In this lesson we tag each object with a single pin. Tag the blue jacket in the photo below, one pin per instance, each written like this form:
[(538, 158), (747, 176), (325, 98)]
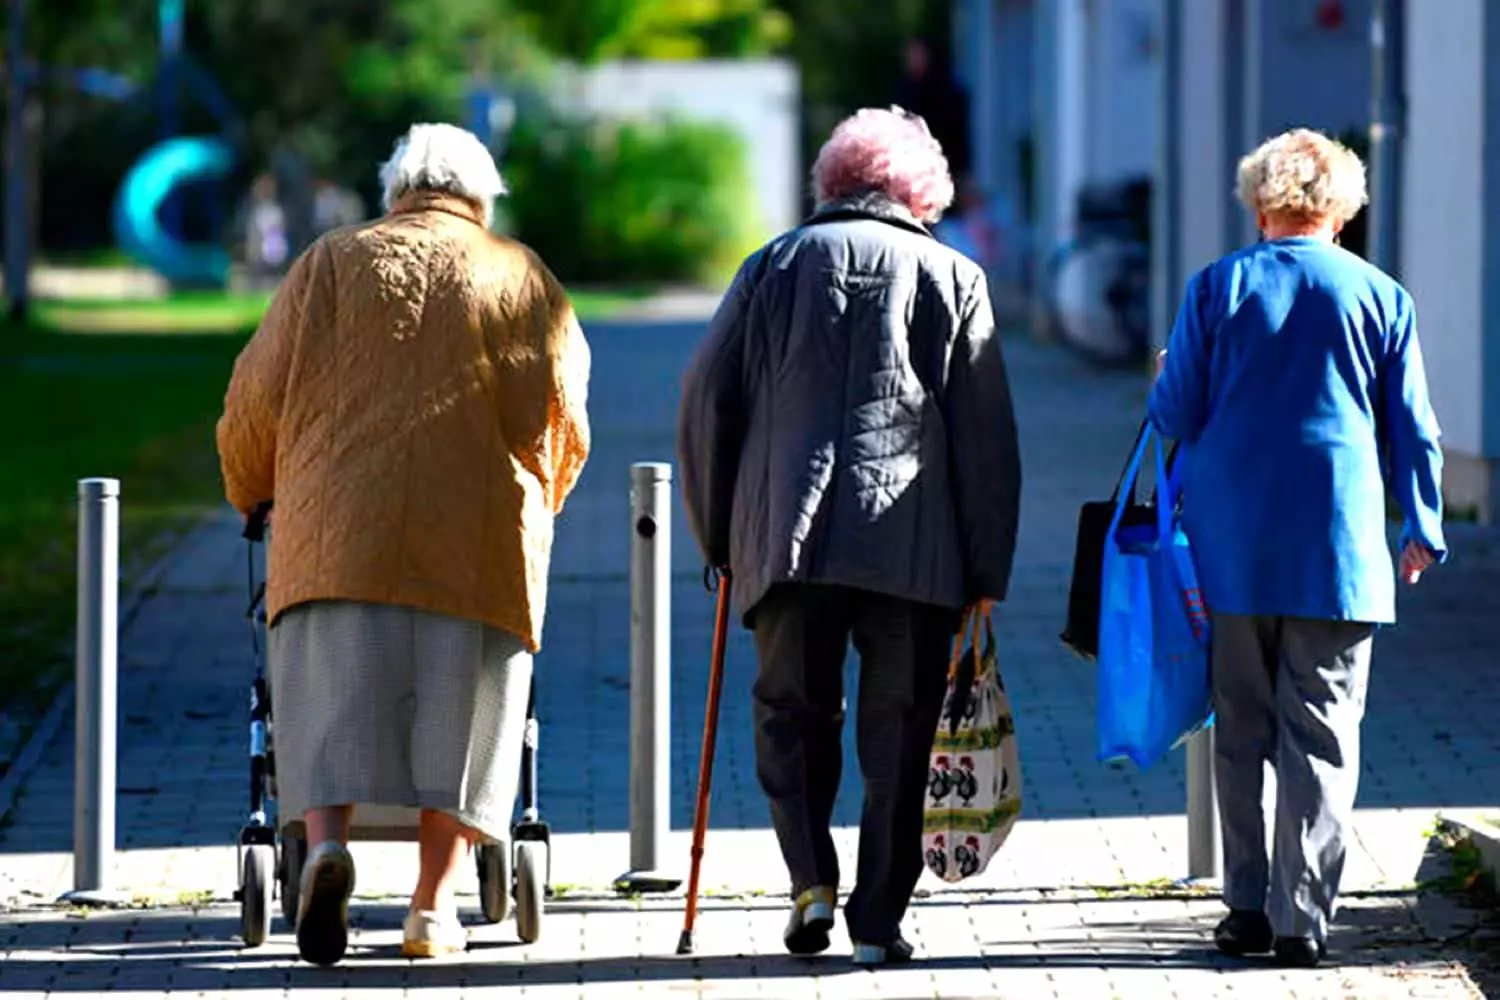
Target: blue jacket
[(1294, 379)]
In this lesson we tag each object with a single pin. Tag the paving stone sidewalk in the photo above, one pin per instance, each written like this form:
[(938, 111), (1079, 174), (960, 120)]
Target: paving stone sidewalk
[(1079, 904)]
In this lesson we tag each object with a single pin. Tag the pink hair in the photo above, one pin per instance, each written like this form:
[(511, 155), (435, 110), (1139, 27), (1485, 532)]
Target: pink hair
[(889, 152)]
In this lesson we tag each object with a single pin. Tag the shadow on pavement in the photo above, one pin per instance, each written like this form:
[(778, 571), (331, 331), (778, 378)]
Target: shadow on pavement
[(1420, 930)]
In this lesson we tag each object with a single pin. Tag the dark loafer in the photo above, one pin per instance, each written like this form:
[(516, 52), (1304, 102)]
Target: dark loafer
[(897, 951), (1299, 953), (811, 921), (1244, 932), (323, 906)]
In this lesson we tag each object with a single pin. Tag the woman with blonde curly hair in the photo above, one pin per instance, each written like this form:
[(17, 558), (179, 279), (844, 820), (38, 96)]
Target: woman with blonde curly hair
[(1294, 379), (849, 453)]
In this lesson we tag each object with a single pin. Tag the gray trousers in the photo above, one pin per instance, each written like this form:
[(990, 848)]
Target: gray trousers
[(1290, 692), (802, 634)]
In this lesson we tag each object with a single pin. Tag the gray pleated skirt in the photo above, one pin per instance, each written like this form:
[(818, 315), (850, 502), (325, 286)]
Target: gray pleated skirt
[(376, 705)]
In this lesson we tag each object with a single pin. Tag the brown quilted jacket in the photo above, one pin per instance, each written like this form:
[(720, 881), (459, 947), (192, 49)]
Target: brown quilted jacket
[(414, 403)]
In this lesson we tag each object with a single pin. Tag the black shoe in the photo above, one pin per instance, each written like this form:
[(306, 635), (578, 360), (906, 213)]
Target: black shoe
[(1299, 953), (811, 921), (896, 951), (323, 906), (1244, 932)]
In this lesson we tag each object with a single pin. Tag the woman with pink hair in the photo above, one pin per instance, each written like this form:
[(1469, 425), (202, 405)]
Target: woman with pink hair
[(849, 456)]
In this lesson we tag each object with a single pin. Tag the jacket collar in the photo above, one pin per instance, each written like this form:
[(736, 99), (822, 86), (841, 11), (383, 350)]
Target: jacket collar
[(438, 201), (870, 205)]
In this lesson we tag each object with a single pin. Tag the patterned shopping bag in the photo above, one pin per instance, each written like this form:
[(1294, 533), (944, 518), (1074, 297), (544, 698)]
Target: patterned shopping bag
[(974, 780)]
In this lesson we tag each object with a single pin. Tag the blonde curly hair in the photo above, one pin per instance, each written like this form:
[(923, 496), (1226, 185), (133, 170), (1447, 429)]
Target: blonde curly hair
[(1303, 175)]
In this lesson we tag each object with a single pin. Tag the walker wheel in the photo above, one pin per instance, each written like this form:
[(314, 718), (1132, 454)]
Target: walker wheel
[(256, 883), (530, 866), (493, 861)]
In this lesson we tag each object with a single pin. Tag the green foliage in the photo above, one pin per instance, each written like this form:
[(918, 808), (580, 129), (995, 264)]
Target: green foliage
[(591, 30), (339, 80), (635, 201)]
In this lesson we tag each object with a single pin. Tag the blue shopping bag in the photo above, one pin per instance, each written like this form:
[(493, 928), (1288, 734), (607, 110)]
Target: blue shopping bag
[(1153, 680)]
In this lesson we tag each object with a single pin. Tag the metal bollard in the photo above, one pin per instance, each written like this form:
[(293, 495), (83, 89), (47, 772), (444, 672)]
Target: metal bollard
[(95, 705), (650, 677), (1204, 863)]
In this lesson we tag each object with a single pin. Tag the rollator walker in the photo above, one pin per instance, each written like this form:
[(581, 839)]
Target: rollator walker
[(272, 848)]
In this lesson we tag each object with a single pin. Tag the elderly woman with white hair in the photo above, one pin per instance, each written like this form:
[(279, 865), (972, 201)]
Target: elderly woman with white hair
[(414, 404), (849, 454), (1294, 379)]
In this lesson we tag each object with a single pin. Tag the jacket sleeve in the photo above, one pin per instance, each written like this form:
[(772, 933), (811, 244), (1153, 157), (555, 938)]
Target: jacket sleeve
[(712, 420), (569, 437), (983, 449), (1415, 468), (544, 407), (253, 405), (1179, 400)]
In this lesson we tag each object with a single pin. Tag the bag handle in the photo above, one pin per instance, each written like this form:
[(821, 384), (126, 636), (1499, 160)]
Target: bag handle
[(970, 631), (969, 628), (960, 681), (1129, 458), (1166, 503), (1145, 428), (1131, 476)]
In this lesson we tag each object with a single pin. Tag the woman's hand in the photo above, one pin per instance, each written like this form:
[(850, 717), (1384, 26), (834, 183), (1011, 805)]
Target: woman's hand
[(1415, 559)]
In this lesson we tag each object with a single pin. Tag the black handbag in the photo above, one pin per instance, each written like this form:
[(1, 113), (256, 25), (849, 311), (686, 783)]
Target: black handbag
[(1085, 593)]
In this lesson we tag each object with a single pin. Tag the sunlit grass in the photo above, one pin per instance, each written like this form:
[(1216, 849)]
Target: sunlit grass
[(179, 313), (214, 312), (134, 407)]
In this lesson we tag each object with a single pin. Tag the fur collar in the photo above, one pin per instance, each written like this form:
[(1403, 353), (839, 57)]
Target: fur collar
[(870, 205)]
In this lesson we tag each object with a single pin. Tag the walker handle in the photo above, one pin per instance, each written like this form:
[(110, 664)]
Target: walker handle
[(255, 524)]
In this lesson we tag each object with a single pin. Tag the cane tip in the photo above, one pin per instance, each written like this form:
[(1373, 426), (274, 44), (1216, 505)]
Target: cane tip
[(685, 943)]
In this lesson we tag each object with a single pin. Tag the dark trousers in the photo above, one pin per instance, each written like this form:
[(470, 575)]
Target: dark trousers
[(1289, 692), (802, 633)]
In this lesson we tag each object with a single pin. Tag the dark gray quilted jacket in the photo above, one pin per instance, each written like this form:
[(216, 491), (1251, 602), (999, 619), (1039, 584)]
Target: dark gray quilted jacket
[(847, 419)]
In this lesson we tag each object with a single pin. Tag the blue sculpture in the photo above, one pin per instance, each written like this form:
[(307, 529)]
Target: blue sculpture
[(137, 215)]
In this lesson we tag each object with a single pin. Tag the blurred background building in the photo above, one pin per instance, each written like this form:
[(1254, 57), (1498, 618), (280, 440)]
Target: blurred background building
[(1106, 134)]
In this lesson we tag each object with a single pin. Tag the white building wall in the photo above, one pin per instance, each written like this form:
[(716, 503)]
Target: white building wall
[(1203, 141), (1442, 237), (1310, 74), (1069, 117), (1124, 44)]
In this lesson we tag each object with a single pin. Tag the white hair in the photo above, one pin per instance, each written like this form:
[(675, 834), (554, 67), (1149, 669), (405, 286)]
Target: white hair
[(442, 158), (1303, 174)]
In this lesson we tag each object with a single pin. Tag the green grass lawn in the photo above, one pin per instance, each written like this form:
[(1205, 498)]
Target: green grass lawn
[(137, 407), (124, 389), (217, 312), (181, 312)]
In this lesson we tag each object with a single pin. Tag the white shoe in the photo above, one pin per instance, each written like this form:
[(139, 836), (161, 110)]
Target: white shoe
[(431, 934)]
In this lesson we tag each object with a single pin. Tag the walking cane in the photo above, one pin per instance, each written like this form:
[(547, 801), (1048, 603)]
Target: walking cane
[(720, 578)]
